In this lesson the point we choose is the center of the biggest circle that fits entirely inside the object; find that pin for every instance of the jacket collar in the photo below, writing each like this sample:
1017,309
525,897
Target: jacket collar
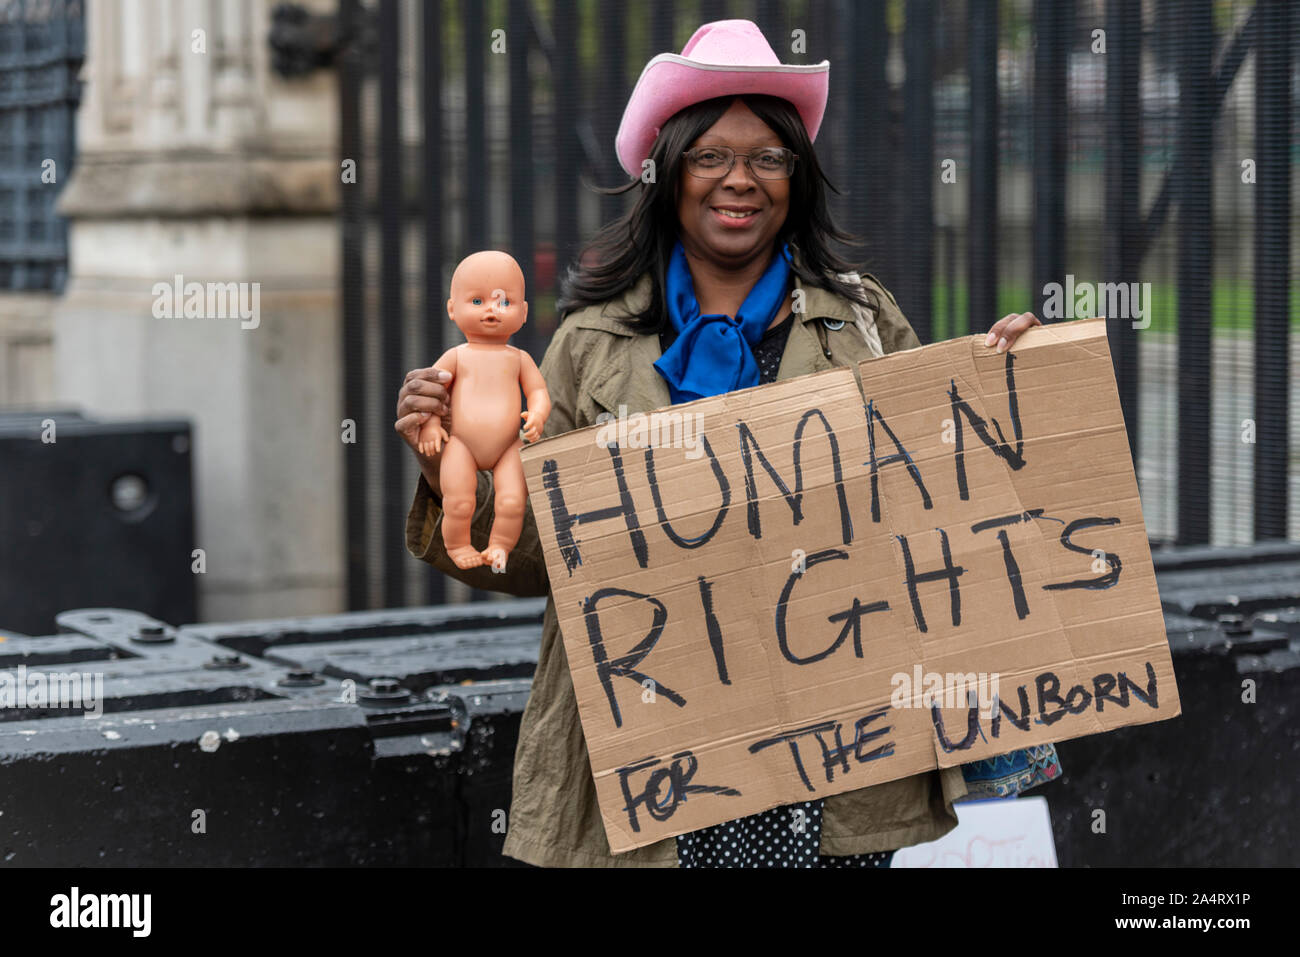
818,303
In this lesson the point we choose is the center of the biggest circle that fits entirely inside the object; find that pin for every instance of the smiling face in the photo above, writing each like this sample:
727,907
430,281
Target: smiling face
703,205
487,297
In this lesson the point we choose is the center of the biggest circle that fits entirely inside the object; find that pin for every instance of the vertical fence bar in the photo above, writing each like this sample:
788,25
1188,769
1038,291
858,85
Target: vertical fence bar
711,10
663,17
435,310
1272,265
1122,242
392,307
520,149
822,27
566,81
1050,111
982,233
476,155
1194,191
352,228
867,177
918,157
948,237
613,95
771,20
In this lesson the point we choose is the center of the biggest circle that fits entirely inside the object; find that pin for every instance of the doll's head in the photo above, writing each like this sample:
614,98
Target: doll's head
487,297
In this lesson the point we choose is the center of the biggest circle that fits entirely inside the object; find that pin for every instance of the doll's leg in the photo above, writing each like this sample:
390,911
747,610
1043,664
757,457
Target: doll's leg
511,491
457,474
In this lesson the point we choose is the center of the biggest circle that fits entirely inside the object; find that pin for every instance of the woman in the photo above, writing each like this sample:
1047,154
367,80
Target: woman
720,277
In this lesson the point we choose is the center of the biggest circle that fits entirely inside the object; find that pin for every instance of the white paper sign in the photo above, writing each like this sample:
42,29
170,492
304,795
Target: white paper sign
1006,832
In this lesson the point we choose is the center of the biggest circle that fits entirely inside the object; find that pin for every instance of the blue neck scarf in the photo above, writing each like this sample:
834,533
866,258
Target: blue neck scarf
714,354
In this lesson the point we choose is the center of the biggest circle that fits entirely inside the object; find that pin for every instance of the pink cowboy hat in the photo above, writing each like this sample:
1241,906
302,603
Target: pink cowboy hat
723,57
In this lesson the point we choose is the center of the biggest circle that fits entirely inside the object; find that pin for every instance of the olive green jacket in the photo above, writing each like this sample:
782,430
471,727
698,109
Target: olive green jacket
595,363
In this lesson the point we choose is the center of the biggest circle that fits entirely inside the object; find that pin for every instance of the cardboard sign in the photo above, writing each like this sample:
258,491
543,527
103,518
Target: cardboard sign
789,591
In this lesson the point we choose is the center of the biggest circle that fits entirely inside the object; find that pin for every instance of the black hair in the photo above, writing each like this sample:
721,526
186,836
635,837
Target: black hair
642,240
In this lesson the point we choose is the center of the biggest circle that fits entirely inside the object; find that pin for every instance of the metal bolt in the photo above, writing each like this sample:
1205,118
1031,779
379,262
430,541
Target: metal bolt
382,691
152,634
226,663
1235,624
300,678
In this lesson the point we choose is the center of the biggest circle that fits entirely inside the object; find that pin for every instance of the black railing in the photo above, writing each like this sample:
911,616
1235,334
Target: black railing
1054,118
42,45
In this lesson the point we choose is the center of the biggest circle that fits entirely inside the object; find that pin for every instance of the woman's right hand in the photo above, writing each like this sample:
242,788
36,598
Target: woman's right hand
424,393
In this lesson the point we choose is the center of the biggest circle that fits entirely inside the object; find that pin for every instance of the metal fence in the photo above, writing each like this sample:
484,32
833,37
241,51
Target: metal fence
984,150
42,44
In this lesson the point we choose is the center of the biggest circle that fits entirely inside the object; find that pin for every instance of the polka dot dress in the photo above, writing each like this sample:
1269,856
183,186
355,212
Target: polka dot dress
783,836
770,349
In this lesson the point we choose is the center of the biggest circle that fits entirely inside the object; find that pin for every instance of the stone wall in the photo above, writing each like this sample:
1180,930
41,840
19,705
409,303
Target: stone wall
196,160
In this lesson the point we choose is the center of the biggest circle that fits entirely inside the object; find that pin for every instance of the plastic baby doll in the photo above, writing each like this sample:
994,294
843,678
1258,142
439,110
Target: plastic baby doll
487,305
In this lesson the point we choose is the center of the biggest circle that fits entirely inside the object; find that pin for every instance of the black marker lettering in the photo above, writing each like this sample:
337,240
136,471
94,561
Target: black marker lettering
1102,686
1013,457
852,618
874,463
949,571
1085,699
789,738
1021,720
1008,559
1146,697
972,728
677,777
837,755
565,520
793,499
624,667
1103,581
723,486
713,628
1049,687
860,738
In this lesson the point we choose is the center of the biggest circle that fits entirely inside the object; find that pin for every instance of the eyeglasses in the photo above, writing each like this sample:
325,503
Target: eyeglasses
715,162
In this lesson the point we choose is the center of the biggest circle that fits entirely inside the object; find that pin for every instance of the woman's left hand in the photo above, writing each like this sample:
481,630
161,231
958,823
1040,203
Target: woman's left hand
1007,329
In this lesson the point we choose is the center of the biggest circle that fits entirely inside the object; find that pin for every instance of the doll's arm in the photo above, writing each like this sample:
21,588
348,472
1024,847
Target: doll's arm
432,435
539,399
448,362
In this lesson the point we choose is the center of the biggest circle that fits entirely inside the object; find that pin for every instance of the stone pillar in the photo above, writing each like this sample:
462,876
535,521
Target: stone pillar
195,160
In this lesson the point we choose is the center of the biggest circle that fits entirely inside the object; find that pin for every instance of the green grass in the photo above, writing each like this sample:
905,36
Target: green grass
1232,304
1012,297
